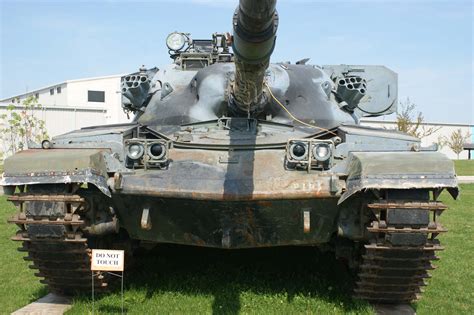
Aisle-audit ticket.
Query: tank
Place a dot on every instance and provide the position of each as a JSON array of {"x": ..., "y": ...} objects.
[{"x": 228, "y": 150}]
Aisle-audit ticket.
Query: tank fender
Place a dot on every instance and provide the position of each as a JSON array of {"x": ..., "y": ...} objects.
[
  {"x": 30, "y": 167},
  {"x": 399, "y": 170}
]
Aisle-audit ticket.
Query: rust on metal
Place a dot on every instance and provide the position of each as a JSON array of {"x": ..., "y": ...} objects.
[
  {"x": 270, "y": 182},
  {"x": 54, "y": 198},
  {"x": 15, "y": 219},
  {"x": 437, "y": 229},
  {"x": 306, "y": 221},
  {"x": 22, "y": 238},
  {"x": 388, "y": 247},
  {"x": 195, "y": 240},
  {"x": 431, "y": 205},
  {"x": 145, "y": 221}
]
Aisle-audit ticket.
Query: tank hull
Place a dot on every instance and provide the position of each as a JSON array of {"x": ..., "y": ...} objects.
[
  {"x": 228, "y": 224},
  {"x": 375, "y": 201}
]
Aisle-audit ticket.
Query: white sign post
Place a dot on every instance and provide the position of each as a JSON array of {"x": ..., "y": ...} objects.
[{"x": 107, "y": 260}]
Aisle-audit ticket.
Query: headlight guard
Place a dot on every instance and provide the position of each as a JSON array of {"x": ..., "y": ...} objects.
[{"x": 317, "y": 154}]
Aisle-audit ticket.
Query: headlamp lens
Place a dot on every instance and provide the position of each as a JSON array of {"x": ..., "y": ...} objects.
[
  {"x": 299, "y": 150},
  {"x": 135, "y": 151},
  {"x": 322, "y": 152}
]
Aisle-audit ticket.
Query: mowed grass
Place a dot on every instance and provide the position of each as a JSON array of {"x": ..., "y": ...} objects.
[
  {"x": 464, "y": 167},
  {"x": 451, "y": 290},
  {"x": 187, "y": 280},
  {"x": 18, "y": 286}
]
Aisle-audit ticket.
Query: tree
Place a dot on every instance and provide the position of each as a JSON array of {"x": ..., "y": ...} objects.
[
  {"x": 411, "y": 122},
  {"x": 441, "y": 142},
  {"x": 456, "y": 141},
  {"x": 19, "y": 126}
]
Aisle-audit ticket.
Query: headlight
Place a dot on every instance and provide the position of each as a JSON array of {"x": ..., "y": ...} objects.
[
  {"x": 156, "y": 151},
  {"x": 299, "y": 151},
  {"x": 135, "y": 151},
  {"x": 175, "y": 41},
  {"x": 322, "y": 152}
]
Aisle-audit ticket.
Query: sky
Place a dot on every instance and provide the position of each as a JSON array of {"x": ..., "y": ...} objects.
[{"x": 427, "y": 42}]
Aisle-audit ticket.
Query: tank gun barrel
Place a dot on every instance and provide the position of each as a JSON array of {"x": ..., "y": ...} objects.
[{"x": 255, "y": 24}]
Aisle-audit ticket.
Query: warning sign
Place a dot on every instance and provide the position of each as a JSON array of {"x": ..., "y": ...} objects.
[{"x": 107, "y": 260}]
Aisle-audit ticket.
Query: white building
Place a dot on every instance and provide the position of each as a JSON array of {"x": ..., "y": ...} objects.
[{"x": 74, "y": 104}]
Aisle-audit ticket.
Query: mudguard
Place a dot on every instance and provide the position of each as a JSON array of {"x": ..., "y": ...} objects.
[
  {"x": 399, "y": 170},
  {"x": 56, "y": 166}
]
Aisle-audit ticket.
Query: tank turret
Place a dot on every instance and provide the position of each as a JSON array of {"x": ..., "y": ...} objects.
[{"x": 255, "y": 24}]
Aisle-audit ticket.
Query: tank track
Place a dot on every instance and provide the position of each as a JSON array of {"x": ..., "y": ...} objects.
[
  {"x": 396, "y": 262},
  {"x": 61, "y": 259}
]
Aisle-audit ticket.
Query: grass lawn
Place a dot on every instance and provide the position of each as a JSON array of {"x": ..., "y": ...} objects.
[
  {"x": 176, "y": 280},
  {"x": 18, "y": 286},
  {"x": 451, "y": 290},
  {"x": 464, "y": 167}
]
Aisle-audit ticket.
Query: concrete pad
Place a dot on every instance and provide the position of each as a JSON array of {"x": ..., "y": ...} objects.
[
  {"x": 50, "y": 304},
  {"x": 394, "y": 309},
  {"x": 465, "y": 179}
]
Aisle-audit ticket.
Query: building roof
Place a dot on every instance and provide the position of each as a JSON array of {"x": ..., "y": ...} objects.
[
  {"x": 7, "y": 99},
  {"x": 427, "y": 123},
  {"x": 468, "y": 146}
]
